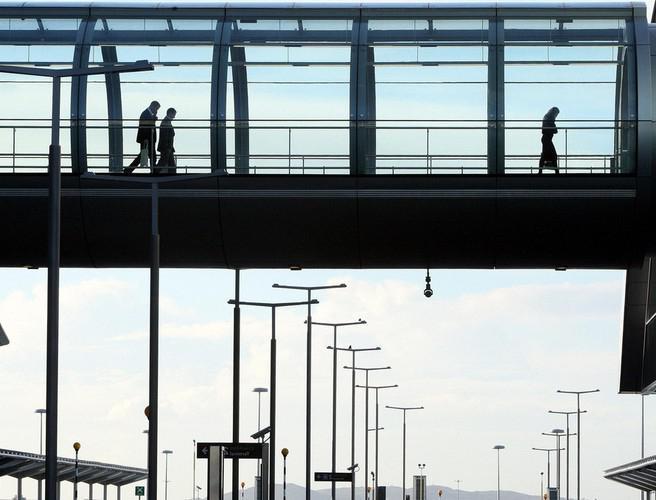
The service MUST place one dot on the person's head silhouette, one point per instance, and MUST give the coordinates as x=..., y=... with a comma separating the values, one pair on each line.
x=154, y=106
x=552, y=113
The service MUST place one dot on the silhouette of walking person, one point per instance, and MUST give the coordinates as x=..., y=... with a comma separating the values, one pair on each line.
x=549, y=156
x=146, y=137
x=166, y=163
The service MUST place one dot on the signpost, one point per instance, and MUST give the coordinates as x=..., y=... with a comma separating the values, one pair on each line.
x=139, y=491
x=215, y=453
x=333, y=476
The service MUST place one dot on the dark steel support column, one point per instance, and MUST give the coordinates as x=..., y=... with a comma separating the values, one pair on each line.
x=79, y=97
x=114, y=111
x=362, y=101
x=153, y=369
x=272, y=411
x=52, y=341
x=240, y=92
x=235, y=385
x=495, y=100
x=218, y=99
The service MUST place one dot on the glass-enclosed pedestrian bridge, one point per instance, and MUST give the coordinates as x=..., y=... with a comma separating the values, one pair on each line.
x=354, y=89
x=336, y=134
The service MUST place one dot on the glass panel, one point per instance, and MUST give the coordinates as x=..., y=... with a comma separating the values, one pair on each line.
x=296, y=98
x=431, y=95
x=182, y=53
x=586, y=69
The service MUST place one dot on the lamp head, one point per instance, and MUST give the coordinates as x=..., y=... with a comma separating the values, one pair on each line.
x=76, y=446
x=284, y=452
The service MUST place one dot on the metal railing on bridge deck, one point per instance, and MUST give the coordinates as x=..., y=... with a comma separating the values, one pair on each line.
x=322, y=147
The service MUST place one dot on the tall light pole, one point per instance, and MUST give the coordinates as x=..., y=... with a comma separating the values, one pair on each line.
x=353, y=352
x=334, y=326
x=272, y=399
x=54, y=247
x=145, y=431
x=76, y=447
x=458, y=481
x=548, y=451
x=578, y=437
x=404, y=409
x=567, y=434
x=557, y=433
x=308, y=378
x=41, y=412
x=259, y=391
x=193, y=462
x=376, y=429
x=166, y=473
x=499, y=447
x=284, y=452
x=642, y=435
x=366, y=420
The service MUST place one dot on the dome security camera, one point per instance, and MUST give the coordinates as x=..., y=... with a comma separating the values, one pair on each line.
x=428, y=291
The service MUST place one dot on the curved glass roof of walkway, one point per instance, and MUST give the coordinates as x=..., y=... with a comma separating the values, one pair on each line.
x=345, y=89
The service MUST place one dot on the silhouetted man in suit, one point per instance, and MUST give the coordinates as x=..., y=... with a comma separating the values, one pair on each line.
x=166, y=163
x=146, y=137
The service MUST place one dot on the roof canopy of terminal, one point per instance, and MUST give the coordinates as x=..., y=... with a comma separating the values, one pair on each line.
x=22, y=465
x=640, y=474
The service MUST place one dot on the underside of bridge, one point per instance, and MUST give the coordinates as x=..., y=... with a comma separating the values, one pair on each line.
x=335, y=222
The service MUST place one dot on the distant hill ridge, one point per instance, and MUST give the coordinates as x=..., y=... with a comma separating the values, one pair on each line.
x=296, y=492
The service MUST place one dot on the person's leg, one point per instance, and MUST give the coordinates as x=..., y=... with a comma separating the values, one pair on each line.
x=152, y=155
x=135, y=163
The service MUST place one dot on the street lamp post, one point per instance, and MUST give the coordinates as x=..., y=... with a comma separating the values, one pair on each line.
x=353, y=352
x=259, y=391
x=166, y=473
x=458, y=481
x=41, y=412
x=499, y=447
x=54, y=246
x=578, y=437
x=76, y=447
x=284, y=453
x=334, y=326
x=272, y=401
x=308, y=378
x=567, y=434
x=541, y=484
x=404, y=409
x=376, y=429
x=366, y=419
x=548, y=451
x=557, y=433
x=193, y=462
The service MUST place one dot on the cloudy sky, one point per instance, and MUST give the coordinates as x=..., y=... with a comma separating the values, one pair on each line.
x=485, y=356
